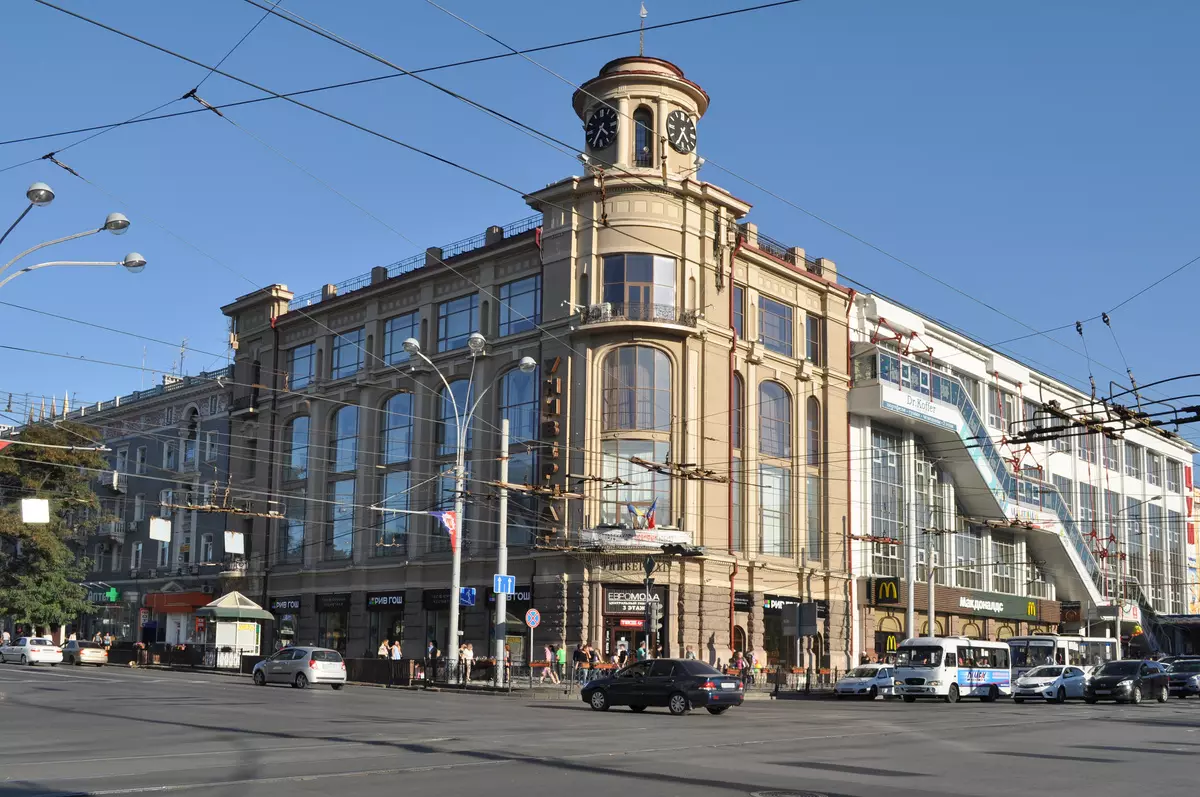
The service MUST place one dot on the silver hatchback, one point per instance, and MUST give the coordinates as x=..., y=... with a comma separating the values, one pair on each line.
x=301, y=666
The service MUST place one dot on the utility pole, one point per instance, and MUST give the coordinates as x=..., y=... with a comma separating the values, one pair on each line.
x=502, y=557
x=931, y=571
x=649, y=613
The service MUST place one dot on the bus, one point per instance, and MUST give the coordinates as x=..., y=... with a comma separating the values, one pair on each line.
x=1078, y=651
x=950, y=668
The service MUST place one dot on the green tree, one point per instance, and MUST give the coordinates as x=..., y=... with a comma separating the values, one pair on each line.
x=41, y=565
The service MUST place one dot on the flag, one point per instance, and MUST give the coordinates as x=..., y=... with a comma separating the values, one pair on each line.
x=650, y=514
x=643, y=520
x=5, y=444
x=450, y=521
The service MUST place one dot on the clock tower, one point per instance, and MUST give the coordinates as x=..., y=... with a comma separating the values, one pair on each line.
x=641, y=113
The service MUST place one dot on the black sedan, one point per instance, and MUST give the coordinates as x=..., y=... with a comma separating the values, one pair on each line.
x=1184, y=677
x=677, y=684
x=1127, y=681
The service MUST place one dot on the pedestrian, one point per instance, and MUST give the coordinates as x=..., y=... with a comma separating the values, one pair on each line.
x=560, y=662
x=689, y=653
x=383, y=650
x=468, y=659
x=72, y=637
x=507, y=662
x=864, y=659
x=5, y=637
x=548, y=670
x=593, y=656
x=395, y=650
x=640, y=654
x=579, y=660
x=622, y=656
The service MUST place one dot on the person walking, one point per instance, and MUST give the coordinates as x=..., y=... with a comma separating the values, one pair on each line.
x=548, y=655
x=5, y=637
x=383, y=650
x=579, y=660
x=622, y=657
x=640, y=654
x=560, y=662
x=468, y=658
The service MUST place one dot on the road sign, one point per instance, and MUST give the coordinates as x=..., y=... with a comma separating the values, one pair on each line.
x=466, y=596
x=533, y=618
x=504, y=585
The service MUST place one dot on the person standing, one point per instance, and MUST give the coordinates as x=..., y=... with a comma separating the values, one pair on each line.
x=395, y=651
x=560, y=662
x=383, y=650
x=640, y=654
x=5, y=637
x=468, y=657
x=689, y=654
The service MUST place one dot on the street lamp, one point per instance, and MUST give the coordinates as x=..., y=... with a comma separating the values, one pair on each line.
x=38, y=194
x=116, y=223
x=476, y=343
x=133, y=263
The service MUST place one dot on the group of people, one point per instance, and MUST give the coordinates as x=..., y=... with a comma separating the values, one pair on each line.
x=390, y=649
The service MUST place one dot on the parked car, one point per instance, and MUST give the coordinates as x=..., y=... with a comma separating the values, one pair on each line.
x=677, y=684
x=1050, y=682
x=1127, y=681
x=1169, y=660
x=81, y=651
x=1183, y=677
x=32, y=650
x=301, y=666
x=868, y=681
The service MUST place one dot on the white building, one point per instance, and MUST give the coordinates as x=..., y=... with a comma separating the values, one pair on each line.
x=1061, y=535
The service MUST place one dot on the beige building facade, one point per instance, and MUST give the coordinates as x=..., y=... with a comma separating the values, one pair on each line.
x=690, y=404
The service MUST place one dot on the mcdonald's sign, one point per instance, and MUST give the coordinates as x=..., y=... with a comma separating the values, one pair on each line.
x=886, y=643
x=1031, y=609
x=885, y=591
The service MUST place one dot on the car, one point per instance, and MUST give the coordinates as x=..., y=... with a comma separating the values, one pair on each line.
x=1050, y=682
x=81, y=651
x=867, y=681
x=1127, y=681
x=678, y=684
x=1169, y=660
x=300, y=666
x=1183, y=677
x=32, y=650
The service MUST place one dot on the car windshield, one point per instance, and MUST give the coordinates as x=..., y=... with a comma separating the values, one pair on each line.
x=694, y=667
x=863, y=672
x=1031, y=653
x=1044, y=672
x=1118, y=668
x=1190, y=665
x=326, y=655
x=919, y=657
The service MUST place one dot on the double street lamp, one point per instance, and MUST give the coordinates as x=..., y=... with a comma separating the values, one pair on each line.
x=40, y=195
x=463, y=417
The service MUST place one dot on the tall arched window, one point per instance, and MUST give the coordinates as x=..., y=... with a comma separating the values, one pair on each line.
x=344, y=442
x=637, y=389
x=775, y=420
x=343, y=445
x=397, y=429
x=813, y=424
x=295, y=450
x=519, y=404
x=459, y=398
x=643, y=137
x=738, y=413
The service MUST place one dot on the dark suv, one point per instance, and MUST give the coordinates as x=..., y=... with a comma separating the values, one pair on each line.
x=1127, y=681
x=1185, y=677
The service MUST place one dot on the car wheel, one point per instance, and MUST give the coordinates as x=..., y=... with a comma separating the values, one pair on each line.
x=952, y=695
x=1061, y=697
x=991, y=696
x=1018, y=700
x=678, y=703
x=1091, y=701
x=598, y=701
x=1163, y=694
x=301, y=681
x=54, y=664
x=337, y=686
x=718, y=709
x=25, y=660
x=259, y=678
x=909, y=698
x=1135, y=697
x=874, y=693
x=637, y=709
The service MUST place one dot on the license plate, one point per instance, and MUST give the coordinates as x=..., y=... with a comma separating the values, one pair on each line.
x=1104, y=691
x=328, y=665
x=728, y=685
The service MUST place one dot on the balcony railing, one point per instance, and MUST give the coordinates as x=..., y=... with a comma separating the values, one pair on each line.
x=777, y=250
x=656, y=313
x=113, y=530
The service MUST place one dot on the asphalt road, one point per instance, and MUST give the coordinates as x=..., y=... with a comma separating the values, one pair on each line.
x=116, y=731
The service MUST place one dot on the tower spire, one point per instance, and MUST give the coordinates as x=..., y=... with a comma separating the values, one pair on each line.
x=642, y=32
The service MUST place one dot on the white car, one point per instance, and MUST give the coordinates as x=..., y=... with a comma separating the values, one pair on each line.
x=867, y=681
x=32, y=650
x=1050, y=682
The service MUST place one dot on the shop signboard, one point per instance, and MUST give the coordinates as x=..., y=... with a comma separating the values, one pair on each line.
x=381, y=601
x=994, y=604
x=629, y=600
x=289, y=604
x=885, y=591
x=334, y=602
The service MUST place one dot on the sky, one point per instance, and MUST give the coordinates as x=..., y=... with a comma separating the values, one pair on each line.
x=1037, y=157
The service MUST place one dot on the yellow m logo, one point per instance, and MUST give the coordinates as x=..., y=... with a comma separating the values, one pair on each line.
x=886, y=591
x=891, y=644
x=1031, y=608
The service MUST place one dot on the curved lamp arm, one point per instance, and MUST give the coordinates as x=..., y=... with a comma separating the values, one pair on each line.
x=43, y=245
x=27, y=269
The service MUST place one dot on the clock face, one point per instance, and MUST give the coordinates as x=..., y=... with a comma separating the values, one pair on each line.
x=601, y=128
x=681, y=132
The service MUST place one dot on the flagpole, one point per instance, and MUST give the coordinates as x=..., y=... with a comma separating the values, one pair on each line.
x=642, y=32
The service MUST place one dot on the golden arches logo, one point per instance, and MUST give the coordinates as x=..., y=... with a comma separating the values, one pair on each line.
x=886, y=591
x=1031, y=609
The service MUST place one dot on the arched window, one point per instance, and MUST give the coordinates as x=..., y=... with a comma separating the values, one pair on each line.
x=813, y=422
x=738, y=414
x=344, y=442
x=397, y=429
x=643, y=137
x=295, y=450
x=637, y=390
x=775, y=420
x=460, y=399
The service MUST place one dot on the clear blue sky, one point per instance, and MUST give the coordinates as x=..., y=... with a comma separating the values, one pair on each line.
x=1040, y=156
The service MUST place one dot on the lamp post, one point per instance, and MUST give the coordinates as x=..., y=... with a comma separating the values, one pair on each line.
x=38, y=194
x=116, y=223
x=133, y=262
x=462, y=417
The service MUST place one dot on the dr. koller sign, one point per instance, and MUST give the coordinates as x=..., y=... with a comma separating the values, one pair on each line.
x=918, y=406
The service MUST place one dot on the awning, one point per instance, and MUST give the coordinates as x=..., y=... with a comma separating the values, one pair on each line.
x=234, y=606
x=176, y=602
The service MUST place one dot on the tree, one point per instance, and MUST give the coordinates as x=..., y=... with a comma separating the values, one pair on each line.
x=41, y=565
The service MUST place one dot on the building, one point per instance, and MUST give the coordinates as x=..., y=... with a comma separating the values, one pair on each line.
x=1068, y=534
x=169, y=450
x=692, y=381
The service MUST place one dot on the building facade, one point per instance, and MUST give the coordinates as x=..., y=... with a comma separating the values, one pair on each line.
x=691, y=386
x=1084, y=532
x=169, y=453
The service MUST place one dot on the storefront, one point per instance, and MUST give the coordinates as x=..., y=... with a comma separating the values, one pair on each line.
x=173, y=615
x=333, y=621
x=516, y=633
x=385, y=619
x=286, y=611
x=625, y=619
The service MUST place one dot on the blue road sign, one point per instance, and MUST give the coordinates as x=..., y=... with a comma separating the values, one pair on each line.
x=533, y=618
x=504, y=585
x=466, y=596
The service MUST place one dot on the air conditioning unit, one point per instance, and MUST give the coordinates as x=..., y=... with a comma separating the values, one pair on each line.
x=600, y=312
x=131, y=525
x=152, y=573
x=133, y=573
x=207, y=589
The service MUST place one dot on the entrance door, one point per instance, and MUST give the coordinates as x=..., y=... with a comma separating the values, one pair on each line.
x=628, y=638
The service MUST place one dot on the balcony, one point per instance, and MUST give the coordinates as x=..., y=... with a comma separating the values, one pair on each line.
x=115, y=481
x=233, y=566
x=652, y=313
x=114, y=530
x=246, y=404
